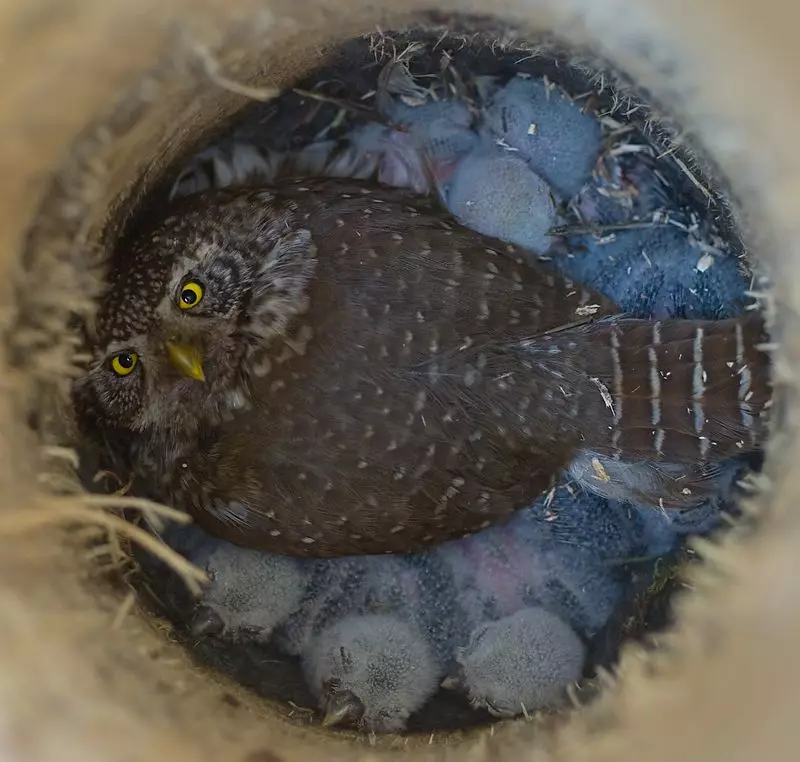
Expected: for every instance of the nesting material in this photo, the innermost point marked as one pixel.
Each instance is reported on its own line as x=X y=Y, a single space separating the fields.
x=519 y=158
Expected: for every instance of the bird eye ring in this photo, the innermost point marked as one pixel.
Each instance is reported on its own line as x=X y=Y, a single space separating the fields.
x=124 y=363
x=191 y=295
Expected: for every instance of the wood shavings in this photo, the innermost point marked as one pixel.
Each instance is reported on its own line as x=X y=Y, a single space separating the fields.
x=705 y=262
x=548 y=86
x=212 y=70
x=501 y=143
x=599 y=471
x=760 y=295
x=706 y=248
x=124 y=609
x=609 y=122
x=396 y=79
x=63 y=453
x=697 y=184
x=586 y=310
x=628 y=148
x=572 y=694
x=604 y=393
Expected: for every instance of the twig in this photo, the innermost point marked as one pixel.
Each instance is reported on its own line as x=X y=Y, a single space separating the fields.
x=601 y=230
x=212 y=70
x=566 y=326
x=148 y=507
x=63 y=453
x=340 y=102
x=61 y=512
x=697 y=184
x=629 y=148
x=123 y=610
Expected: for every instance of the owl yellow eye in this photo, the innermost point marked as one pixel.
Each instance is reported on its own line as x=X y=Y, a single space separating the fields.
x=191 y=295
x=124 y=363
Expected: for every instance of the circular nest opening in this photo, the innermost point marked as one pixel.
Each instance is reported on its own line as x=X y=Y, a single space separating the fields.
x=633 y=215
x=643 y=217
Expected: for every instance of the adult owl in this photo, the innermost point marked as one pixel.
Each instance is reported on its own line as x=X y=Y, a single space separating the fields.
x=328 y=367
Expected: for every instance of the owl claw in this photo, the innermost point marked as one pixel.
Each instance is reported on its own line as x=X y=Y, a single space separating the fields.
x=206 y=622
x=343 y=708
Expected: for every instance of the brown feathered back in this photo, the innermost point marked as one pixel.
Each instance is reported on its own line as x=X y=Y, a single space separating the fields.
x=378 y=378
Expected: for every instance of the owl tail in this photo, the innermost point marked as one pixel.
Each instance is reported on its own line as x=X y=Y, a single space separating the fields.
x=676 y=391
x=662 y=404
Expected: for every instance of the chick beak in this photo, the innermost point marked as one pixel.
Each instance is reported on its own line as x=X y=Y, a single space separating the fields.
x=187 y=360
x=342 y=709
x=456 y=681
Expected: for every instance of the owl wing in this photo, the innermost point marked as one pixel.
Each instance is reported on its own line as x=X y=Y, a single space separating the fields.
x=318 y=506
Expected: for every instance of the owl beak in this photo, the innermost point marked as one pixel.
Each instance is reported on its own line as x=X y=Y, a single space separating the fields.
x=187 y=360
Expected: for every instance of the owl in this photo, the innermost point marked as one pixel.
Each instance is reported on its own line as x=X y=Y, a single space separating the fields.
x=328 y=367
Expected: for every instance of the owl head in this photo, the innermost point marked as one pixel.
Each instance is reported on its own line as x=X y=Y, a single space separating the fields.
x=371 y=670
x=190 y=306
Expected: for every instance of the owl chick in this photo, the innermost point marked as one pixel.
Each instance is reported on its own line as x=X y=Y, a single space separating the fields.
x=340 y=587
x=519 y=664
x=371 y=670
x=536 y=121
x=250 y=593
x=328 y=368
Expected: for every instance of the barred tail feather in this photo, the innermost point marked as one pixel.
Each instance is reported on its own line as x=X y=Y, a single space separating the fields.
x=676 y=391
x=687 y=391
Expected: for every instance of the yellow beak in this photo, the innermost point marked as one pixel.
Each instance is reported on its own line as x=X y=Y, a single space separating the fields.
x=187 y=360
